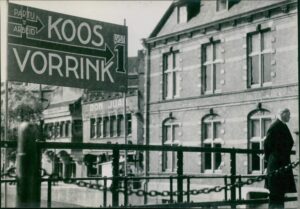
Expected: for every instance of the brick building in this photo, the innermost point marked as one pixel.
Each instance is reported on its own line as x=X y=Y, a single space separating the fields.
x=216 y=74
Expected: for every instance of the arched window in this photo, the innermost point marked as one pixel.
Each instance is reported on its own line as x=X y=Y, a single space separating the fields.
x=211 y=138
x=170 y=131
x=258 y=123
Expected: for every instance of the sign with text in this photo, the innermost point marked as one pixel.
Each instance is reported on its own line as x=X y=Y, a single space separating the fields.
x=57 y=49
x=113 y=106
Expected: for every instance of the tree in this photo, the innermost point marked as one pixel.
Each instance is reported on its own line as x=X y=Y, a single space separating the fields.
x=23 y=105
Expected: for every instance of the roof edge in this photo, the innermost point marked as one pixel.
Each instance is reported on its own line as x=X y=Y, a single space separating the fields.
x=153 y=38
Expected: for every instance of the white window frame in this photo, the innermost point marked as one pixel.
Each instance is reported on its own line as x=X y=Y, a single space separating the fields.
x=212 y=141
x=113 y=126
x=213 y=64
x=99 y=127
x=217 y=6
x=129 y=124
x=93 y=124
x=173 y=141
x=258 y=139
x=258 y=53
x=171 y=71
x=182 y=14
x=106 y=127
x=120 y=124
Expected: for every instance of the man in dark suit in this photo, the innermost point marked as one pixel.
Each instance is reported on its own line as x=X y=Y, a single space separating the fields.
x=277 y=147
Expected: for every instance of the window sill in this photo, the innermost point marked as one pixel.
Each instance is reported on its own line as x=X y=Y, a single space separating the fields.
x=256 y=172
x=217 y=172
x=257 y=86
x=267 y=84
x=217 y=91
x=171 y=98
x=169 y=172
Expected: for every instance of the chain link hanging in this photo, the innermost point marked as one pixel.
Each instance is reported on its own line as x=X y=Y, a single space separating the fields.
x=153 y=193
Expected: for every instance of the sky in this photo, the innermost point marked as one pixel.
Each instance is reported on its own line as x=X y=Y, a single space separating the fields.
x=141 y=16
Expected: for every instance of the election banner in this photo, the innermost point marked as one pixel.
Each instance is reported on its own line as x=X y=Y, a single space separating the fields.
x=56 y=49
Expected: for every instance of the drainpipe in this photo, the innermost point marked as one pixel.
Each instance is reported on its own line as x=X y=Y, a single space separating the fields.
x=146 y=113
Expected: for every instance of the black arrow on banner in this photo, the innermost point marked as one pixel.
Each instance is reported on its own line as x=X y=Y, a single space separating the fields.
x=105 y=53
x=37 y=24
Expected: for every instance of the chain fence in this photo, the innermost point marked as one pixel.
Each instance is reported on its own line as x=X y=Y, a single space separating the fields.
x=153 y=193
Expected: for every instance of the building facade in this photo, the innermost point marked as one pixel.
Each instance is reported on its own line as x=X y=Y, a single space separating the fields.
x=76 y=115
x=63 y=123
x=216 y=74
x=103 y=119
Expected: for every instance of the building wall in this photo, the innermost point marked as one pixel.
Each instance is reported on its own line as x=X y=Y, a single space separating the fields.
x=234 y=53
x=235 y=101
x=105 y=108
x=63 y=123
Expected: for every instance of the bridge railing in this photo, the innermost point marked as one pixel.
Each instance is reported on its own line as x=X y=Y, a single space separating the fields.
x=232 y=182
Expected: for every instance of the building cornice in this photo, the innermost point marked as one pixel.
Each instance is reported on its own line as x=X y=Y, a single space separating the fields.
x=247 y=91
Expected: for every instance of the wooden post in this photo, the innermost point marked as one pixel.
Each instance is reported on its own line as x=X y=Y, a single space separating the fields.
x=28 y=167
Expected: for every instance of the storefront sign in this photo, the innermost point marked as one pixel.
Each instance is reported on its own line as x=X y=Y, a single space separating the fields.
x=104 y=107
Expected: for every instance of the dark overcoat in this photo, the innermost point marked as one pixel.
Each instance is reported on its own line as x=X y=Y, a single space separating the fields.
x=277 y=147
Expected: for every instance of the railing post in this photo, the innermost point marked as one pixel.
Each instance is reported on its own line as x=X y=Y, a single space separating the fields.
x=233 y=176
x=115 y=180
x=49 y=198
x=105 y=192
x=240 y=187
x=125 y=191
x=171 y=189
x=179 y=176
x=226 y=183
x=145 y=191
x=188 y=188
x=28 y=167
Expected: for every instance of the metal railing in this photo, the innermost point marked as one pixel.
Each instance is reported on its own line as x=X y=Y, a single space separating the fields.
x=232 y=182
